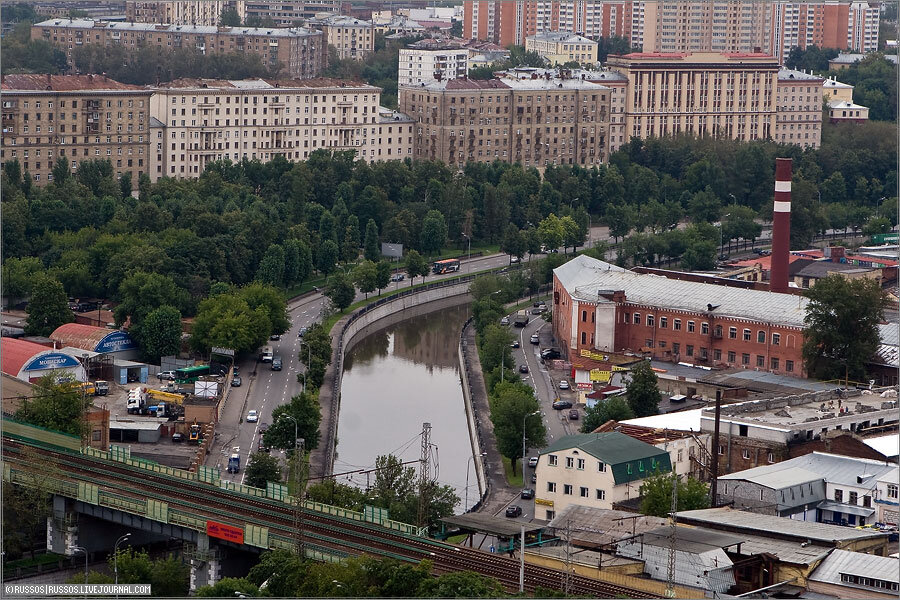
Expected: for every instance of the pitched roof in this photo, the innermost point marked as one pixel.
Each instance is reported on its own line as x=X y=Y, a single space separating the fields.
x=611 y=447
x=834 y=468
x=39 y=82
x=792 y=75
x=14 y=353
x=561 y=36
x=844 y=562
x=823 y=268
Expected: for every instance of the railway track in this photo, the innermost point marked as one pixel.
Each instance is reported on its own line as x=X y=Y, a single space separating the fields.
x=342 y=535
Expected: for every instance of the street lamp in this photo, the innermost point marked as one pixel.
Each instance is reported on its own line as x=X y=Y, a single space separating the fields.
x=116 y=558
x=469 y=250
x=472 y=458
x=522 y=558
x=523 y=443
x=308 y=362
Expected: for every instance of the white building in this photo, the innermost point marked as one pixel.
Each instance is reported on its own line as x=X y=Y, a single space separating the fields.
x=421 y=66
x=887 y=498
x=560 y=47
x=352 y=38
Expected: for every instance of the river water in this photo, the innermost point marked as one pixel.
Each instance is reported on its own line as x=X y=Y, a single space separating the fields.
x=394 y=380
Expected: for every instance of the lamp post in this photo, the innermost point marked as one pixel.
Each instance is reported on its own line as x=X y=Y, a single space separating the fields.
x=308 y=361
x=522 y=558
x=472 y=458
x=524 y=418
x=469 y=249
x=116 y=558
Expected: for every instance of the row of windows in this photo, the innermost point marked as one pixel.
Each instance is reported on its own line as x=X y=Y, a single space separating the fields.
x=636 y=319
x=869 y=582
x=583 y=492
x=62 y=104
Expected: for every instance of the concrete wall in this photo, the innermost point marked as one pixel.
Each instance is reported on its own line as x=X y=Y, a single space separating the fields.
x=474 y=438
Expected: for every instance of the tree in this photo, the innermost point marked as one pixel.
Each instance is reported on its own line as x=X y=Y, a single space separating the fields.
x=19 y=275
x=61 y=171
x=228 y=587
x=328 y=256
x=350 y=244
x=841 y=327
x=552 y=232
x=305 y=409
x=461 y=584
x=700 y=255
x=230 y=18
x=415 y=266
x=371 y=249
x=612 y=409
x=642 y=390
x=269 y=301
x=141 y=292
x=382 y=275
x=305 y=266
x=291 y=261
x=125 y=185
x=704 y=206
x=656 y=494
x=49 y=306
x=271 y=267
x=59 y=406
x=365 y=276
x=434 y=232
x=159 y=334
x=513 y=242
x=262 y=468
x=340 y=291
x=510 y=404
x=228 y=321
x=26 y=506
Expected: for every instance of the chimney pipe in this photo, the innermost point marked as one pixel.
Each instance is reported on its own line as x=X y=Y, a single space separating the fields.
x=781 y=226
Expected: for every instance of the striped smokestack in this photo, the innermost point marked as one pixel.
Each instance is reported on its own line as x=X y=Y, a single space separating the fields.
x=781 y=226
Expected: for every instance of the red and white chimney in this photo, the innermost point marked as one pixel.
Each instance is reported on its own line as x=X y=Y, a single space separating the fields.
x=781 y=226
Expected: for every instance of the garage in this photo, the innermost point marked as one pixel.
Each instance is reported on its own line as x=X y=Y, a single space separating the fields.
x=29 y=361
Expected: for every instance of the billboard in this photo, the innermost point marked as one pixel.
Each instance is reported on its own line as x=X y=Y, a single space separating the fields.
x=392 y=250
x=116 y=341
x=51 y=360
x=206 y=389
x=225 y=532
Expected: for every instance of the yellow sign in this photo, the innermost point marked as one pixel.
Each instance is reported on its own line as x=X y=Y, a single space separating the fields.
x=600 y=376
x=544 y=502
x=595 y=356
x=617 y=369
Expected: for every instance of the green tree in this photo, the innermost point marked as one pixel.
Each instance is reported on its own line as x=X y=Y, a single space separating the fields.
x=19 y=275
x=230 y=18
x=656 y=494
x=141 y=292
x=612 y=409
x=27 y=506
x=415 y=266
x=228 y=321
x=61 y=171
x=270 y=301
x=371 y=248
x=340 y=291
x=573 y=234
x=271 y=267
x=159 y=334
x=461 y=584
x=291 y=261
x=305 y=266
x=700 y=255
x=328 y=256
x=514 y=242
x=365 y=277
x=704 y=206
x=305 y=409
x=58 y=406
x=511 y=404
x=876 y=225
x=125 y=185
x=434 y=232
x=642 y=390
x=315 y=356
x=552 y=232
x=382 y=275
x=841 y=327
x=49 y=306
x=228 y=587
x=262 y=468
x=350 y=244
x=281 y=571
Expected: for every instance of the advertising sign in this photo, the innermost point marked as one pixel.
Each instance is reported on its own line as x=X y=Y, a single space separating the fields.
x=116 y=341
x=544 y=502
x=595 y=356
x=225 y=532
x=392 y=250
x=53 y=360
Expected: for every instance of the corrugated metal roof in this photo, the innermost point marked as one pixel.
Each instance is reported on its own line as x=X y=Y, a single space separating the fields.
x=856 y=563
x=692 y=539
x=774 y=479
x=15 y=353
x=79 y=336
x=786 y=550
x=834 y=468
x=595 y=526
x=611 y=447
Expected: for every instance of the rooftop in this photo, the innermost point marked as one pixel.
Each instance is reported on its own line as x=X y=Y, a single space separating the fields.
x=386 y=115
x=15 y=353
x=758 y=524
x=687 y=420
x=691 y=296
x=791 y=75
x=642 y=433
x=823 y=268
x=889 y=445
x=775 y=479
x=844 y=562
x=523 y=78
x=487 y=523
x=845 y=104
x=834 y=468
x=848 y=58
x=64 y=83
x=696 y=540
x=593 y=527
x=763 y=382
x=189 y=29
x=561 y=36
x=267 y=84
x=834 y=84
x=693 y=57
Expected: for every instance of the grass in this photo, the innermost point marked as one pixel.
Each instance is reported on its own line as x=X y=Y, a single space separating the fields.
x=40 y=559
x=457 y=539
x=302 y=288
x=513 y=480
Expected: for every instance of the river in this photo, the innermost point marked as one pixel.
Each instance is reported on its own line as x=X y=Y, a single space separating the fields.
x=394 y=380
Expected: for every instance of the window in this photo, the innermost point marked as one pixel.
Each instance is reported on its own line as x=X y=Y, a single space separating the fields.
x=704 y=328
x=601 y=467
x=95 y=435
x=680 y=455
x=637 y=318
x=789 y=366
x=761 y=337
x=721 y=449
x=551 y=487
x=650 y=321
x=852 y=498
x=689 y=350
x=691 y=327
x=551 y=514
x=732 y=356
x=745 y=359
x=745 y=454
x=893 y=491
x=580 y=463
x=676 y=348
x=867 y=501
x=567 y=489
x=746 y=335
x=770 y=457
x=776 y=339
x=676 y=324
x=663 y=322
x=717 y=354
x=774 y=364
x=760 y=360
x=628 y=469
x=732 y=332
x=570 y=462
x=552 y=460
x=583 y=492
x=838 y=495
x=601 y=494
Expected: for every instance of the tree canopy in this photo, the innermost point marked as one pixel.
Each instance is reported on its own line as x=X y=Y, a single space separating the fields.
x=656 y=494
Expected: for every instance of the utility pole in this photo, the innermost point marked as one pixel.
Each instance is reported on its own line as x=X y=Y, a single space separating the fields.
x=568 y=556
x=424 y=474
x=670 y=578
x=714 y=454
x=522 y=559
x=299 y=455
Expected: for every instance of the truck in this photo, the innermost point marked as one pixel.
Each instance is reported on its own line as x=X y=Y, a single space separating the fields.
x=137 y=401
x=521 y=318
x=164 y=396
x=234 y=461
x=166 y=410
x=266 y=354
x=101 y=388
x=195 y=435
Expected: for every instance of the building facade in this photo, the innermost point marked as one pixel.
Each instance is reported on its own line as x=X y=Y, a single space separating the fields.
x=704 y=94
x=352 y=38
x=181 y=12
x=289 y=13
x=418 y=66
x=301 y=53
x=824 y=23
x=887 y=498
x=80 y=117
x=527 y=116
x=560 y=47
x=594 y=470
x=798 y=115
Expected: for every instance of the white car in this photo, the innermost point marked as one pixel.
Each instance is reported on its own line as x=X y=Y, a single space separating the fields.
x=563 y=384
x=504 y=321
x=535 y=339
x=252 y=416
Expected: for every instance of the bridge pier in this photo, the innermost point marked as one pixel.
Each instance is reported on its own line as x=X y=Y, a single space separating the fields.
x=206 y=566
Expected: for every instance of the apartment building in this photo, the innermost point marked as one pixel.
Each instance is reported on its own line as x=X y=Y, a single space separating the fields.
x=530 y=116
x=594 y=470
x=181 y=12
x=618 y=92
x=798 y=114
x=422 y=65
x=602 y=308
x=561 y=47
x=209 y=120
x=703 y=94
x=81 y=117
x=825 y=23
x=289 y=13
x=352 y=38
x=300 y=52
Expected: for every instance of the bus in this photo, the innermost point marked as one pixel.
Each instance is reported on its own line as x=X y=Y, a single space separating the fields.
x=445 y=266
x=191 y=374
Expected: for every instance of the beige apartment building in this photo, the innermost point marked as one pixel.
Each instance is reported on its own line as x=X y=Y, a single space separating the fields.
x=530 y=116
x=704 y=94
x=798 y=115
x=560 y=47
x=352 y=38
x=181 y=12
x=208 y=120
x=618 y=93
x=81 y=117
x=289 y=13
x=300 y=52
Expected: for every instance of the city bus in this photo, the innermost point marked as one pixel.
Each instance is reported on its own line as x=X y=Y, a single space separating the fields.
x=445 y=266
x=191 y=374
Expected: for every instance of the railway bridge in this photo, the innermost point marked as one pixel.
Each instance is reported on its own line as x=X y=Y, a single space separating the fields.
x=97 y=495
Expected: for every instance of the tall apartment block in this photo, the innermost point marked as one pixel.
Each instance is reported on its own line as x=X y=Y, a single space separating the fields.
x=301 y=52
x=181 y=12
x=529 y=116
x=770 y=26
x=352 y=38
x=81 y=117
x=798 y=116
x=288 y=13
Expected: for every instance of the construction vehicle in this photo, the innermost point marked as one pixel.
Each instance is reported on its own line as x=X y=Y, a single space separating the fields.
x=163 y=396
x=137 y=401
x=234 y=461
x=166 y=410
x=88 y=388
x=196 y=433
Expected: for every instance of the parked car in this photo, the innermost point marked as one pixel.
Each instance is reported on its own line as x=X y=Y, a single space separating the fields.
x=504 y=321
x=534 y=478
x=166 y=375
x=177 y=438
x=263 y=427
x=562 y=405
x=515 y=344
x=302 y=331
x=527 y=494
x=253 y=416
x=533 y=461
x=523 y=368
x=276 y=363
x=550 y=353
x=535 y=338
x=537 y=311
x=236 y=381
x=513 y=511
x=275 y=337
x=573 y=415
x=563 y=384
x=398 y=277
x=513 y=259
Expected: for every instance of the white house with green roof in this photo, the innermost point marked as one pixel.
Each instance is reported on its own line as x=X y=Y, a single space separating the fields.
x=594 y=469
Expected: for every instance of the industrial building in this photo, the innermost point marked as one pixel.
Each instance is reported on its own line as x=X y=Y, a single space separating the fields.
x=29 y=361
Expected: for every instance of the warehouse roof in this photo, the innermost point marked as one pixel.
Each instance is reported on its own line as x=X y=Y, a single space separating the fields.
x=88 y=337
x=774 y=479
x=15 y=353
x=844 y=562
x=834 y=468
